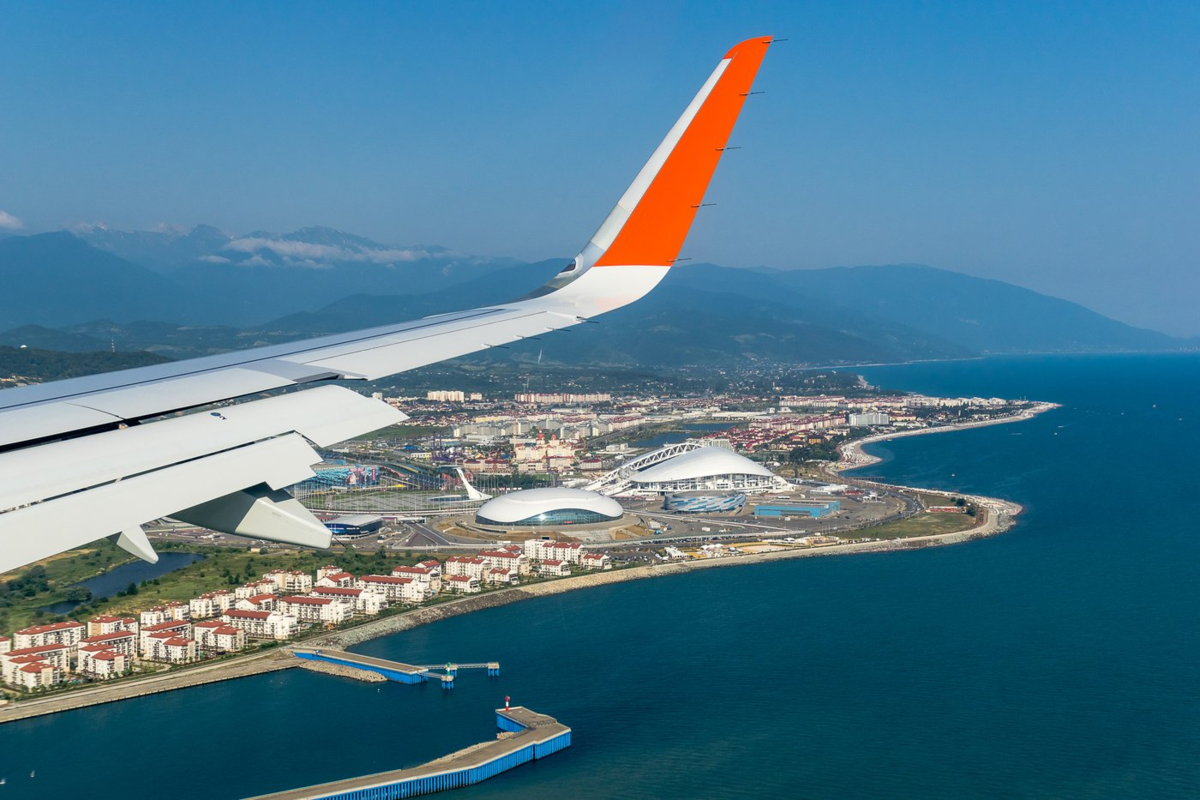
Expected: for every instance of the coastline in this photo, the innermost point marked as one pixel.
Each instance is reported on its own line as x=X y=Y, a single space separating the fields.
x=853 y=456
x=996 y=516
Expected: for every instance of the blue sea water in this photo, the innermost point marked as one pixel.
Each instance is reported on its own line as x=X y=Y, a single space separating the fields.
x=1058 y=660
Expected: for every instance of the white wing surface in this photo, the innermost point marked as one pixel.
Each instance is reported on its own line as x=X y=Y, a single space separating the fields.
x=99 y=456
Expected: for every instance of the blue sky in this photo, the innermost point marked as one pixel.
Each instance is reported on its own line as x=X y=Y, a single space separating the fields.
x=1052 y=145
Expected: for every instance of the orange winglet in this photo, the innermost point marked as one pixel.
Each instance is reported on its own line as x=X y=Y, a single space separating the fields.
x=655 y=231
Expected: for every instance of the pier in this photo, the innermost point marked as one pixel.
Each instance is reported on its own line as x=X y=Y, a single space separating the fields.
x=528 y=736
x=394 y=670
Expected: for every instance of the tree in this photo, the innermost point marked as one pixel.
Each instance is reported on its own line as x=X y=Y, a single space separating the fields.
x=131 y=589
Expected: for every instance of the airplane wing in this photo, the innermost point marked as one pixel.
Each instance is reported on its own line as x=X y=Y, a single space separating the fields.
x=99 y=456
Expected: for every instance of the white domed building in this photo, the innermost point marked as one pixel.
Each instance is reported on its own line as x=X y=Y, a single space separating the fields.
x=548 y=508
x=689 y=467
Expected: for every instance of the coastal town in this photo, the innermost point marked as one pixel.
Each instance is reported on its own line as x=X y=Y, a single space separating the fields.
x=278 y=608
x=596 y=461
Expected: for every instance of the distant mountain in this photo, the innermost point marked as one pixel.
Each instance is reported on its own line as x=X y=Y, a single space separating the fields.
x=217 y=290
x=985 y=315
x=56 y=279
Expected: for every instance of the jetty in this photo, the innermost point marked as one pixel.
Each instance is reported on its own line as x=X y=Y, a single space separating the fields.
x=394 y=670
x=527 y=736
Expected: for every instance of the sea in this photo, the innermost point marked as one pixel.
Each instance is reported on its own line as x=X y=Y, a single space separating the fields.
x=1061 y=659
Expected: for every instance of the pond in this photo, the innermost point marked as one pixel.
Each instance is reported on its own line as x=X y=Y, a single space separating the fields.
x=113 y=581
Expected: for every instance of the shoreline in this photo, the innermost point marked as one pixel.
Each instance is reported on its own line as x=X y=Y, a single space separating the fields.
x=854 y=457
x=997 y=517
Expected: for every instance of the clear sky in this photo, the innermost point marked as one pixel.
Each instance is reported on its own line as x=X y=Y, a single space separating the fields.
x=1053 y=145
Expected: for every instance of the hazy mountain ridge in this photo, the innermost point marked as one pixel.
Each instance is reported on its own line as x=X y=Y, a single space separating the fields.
x=65 y=293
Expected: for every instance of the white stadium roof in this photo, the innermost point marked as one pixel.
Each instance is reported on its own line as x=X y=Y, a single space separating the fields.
x=704 y=462
x=517 y=506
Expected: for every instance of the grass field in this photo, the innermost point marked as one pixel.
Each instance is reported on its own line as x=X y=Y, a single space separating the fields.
x=921 y=525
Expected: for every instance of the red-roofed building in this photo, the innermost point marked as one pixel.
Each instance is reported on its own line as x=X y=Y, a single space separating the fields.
x=501 y=576
x=259 y=602
x=421 y=574
x=219 y=636
x=507 y=558
x=341 y=580
x=465 y=584
x=120 y=641
x=405 y=590
x=554 y=568
x=68 y=633
x=172 y=649
x=324 y=610
x=360 y=600
x=36 y=675
x=596 y=561
x=327 y=570
x=57 y=655
x=290 y=580
x=103 y=624
x=472 y=566
x=262 y=624
x=106 y=664
x=5 y=644
x=253 y=588
x=170 y=627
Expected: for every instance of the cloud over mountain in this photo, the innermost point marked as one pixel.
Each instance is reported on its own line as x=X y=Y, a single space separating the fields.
x=10 y=223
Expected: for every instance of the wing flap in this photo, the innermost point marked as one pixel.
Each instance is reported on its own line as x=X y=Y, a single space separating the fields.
x=323 y=415
x=41 y=530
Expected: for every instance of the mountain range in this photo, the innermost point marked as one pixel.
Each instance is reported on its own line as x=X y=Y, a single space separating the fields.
x=183 y=293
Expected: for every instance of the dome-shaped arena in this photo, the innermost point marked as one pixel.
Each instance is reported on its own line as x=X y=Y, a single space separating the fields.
x=548 y=508
x=705 y=469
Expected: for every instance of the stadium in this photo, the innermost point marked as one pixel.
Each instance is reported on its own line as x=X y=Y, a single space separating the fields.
x=688 y=467
x=549 y=507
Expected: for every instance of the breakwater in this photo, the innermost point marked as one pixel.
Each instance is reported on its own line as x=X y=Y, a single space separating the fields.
x=527 y=736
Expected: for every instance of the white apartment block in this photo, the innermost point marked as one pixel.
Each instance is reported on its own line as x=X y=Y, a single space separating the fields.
x=253 y=588
x=465 y=584
x=220 y=636
x=323 y=610
x=259 y=602
x=57 y=656
x=124 y=642
x=336 y=580
x=36 y=675
x=596 y=561
x=362 y=601
x=68 y=633
x=262 y=624
x=502 y=577
x=171 y=649
x=404 y=590
x=326 y=571
x=541 y=550
x=507 y=559
x=290 y=580
x=471 y=566
x=421 y=574
x=97 y=626
x=553 y=568
x=103 y=664
x=211 y=604
x=171 y=628
x=5 y=644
